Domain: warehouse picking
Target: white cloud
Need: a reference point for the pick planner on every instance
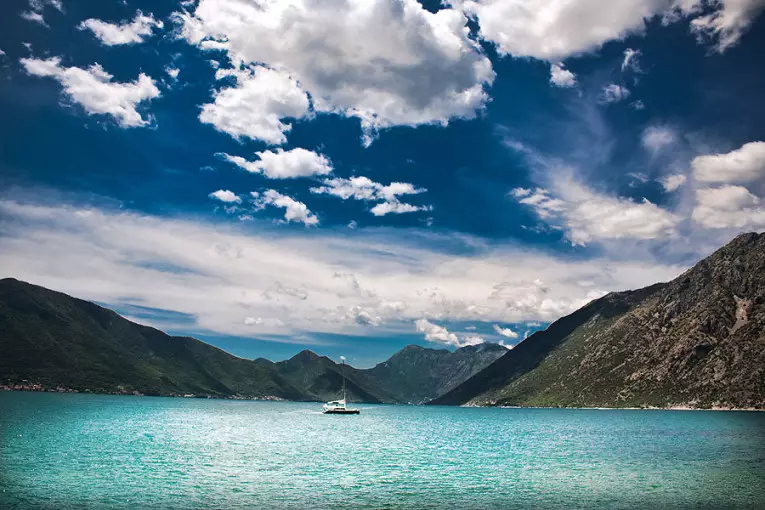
(728, 207)
(225, 195)
(363, 188)
(631, 61)
(218, 274)
(2, 53)
(561, 77)
(94, 90)
(613, 93)
(637, 105)
(172, 72)
(363, 317)
(587, 216)
(127, 32)
(396, 207)
(656, 138)
(506, 332)
(385, 62)
(725, 26)
(293, 210)
(285, 164)
(673, 182)
(556, 30)
(34, 17)
(746, 164)
(438, 334)
(256, 106)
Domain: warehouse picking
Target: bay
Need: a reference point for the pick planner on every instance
(100, 451)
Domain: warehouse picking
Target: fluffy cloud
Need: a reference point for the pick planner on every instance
(561, 77)
(725, 26)
(656, 138)
(94, 90)
(506, 332)
(127, 32)
(364, 188)
(673, 182)
(172, 72)
(256, 106)
(438, 334)
(746, 164)
(219, 274)
(729, 207)
(385, 62)
(285, 164)
(226, 196)
(293, 210)
(587, 216)
(556, 30)
(396, 207)
(613, 93)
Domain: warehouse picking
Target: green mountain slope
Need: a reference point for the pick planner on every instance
(54, 339)
(698, 341)
(50, 338)
(416, 374)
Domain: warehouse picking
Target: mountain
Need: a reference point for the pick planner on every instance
(697, 341)
(416, 374)
(52, 339)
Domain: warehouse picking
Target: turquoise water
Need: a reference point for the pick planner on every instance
(93, 451)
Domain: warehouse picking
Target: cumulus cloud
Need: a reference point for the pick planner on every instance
(656, 138)
(364, 188)
(396, 207)
(438, 334)
(673, 182)
(743, 165)
(172, 72)
(257, 105)
(127, 32)
(385, 62)
(225, 195)
(554, 31)
(506, 332)
(94, 90)
(561, 77)
(729, 207)
(283, 164)
(725, 26)
(613, 93)
(293, 210)
(587, 216)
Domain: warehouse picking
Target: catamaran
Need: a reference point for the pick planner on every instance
(339, 406)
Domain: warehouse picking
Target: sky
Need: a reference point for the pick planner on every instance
(353, 176)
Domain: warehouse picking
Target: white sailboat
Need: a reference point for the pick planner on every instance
(339, 406)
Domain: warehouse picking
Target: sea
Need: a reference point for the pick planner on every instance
(63, 451)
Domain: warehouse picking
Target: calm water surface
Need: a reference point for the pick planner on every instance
(90, 451)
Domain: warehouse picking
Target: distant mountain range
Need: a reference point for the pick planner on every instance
(53, 340)
(697, 341)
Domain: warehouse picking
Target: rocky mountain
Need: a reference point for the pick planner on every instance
(697, 341)
(416, 374)
(51, 339)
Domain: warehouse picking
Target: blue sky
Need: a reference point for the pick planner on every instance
(353, 176)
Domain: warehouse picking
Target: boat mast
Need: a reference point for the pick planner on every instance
(342, 370)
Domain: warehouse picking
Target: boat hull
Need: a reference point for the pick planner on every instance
(341, 411)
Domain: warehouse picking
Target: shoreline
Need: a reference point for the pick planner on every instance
(60, 389)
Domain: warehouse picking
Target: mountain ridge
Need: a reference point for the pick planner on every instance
(696, 341)
(50, 339)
